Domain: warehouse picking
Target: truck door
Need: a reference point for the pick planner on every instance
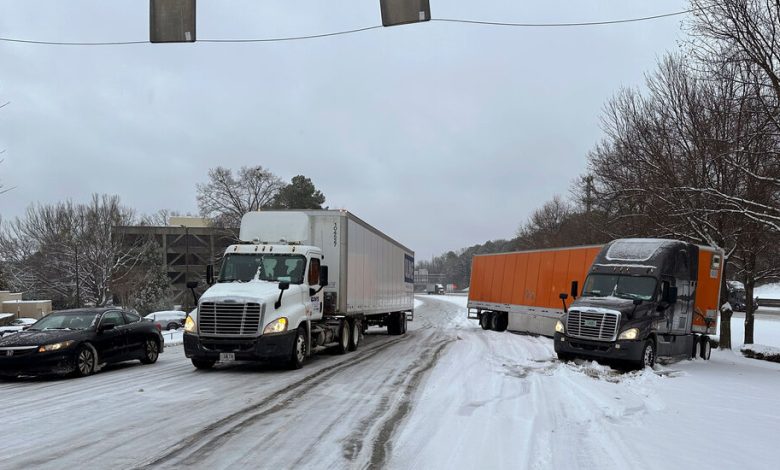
(683, 309)
(314, 307)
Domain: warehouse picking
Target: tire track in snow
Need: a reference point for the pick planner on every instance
(207, 439)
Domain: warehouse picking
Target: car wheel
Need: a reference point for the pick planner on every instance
(648, 355)
(354, 338)
(203, 364)
(298, 353)
(151, 351)
(85, 360)
(172, 326)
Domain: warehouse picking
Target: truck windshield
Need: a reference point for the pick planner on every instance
(627, 287)
(266, 267)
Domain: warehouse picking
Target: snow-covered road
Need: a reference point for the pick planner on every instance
(446, 395)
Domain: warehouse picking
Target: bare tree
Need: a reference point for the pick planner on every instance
(226, 198)
(67, 252)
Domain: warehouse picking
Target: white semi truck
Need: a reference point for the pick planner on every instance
(300, 282)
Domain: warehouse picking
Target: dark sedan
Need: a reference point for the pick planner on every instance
(79, 342)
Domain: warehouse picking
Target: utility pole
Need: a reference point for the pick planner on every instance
(78, 288)
(186, 256)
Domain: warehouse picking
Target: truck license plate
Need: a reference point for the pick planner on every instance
(227, 357)
(591, 323)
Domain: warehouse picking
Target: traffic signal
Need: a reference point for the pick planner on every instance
(172, 20)
(396, 12)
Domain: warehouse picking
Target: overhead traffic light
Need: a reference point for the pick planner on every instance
(397, 12)
(172, 20)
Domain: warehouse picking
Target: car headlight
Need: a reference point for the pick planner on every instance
(559, 327)
(277, 326)
(189, 325)
(55, 346)
(631, 333)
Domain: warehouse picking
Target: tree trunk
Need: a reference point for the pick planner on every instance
(749, 307)
(725, 329)
(725, 314)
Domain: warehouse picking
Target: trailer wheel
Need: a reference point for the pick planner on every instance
(648, 355)
(354, 338)
(500, 321)
(705, 349)
(395, 323)
(402, 320)
(344, 337)
(486, 320)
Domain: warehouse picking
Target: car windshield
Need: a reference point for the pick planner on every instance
(265, 266)
(627, 287)
(71, 321)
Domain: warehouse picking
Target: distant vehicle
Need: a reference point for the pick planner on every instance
(641, 298)
(78, 342)
(17, 325)
(168, 319)
(737, 297)
(437, 289)
(274, 301)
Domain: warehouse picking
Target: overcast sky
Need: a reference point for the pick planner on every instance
(442, 135)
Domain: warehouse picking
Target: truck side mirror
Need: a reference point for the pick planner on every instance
(210, 274)
(668, 292)
(574, 286)
(563, 296)
(283, 286)
(323, 276)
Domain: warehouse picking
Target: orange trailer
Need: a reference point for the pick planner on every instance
(527, 284)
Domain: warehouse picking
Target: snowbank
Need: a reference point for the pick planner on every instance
(759, 351)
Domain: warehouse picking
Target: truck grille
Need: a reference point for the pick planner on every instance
(216, 318)
(592, 325)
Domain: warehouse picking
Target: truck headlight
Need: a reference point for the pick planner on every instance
(189, 325)
(55, 346)
(559, 327)
(631, 333)
(277, 326)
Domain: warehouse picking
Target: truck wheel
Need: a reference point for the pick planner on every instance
(298, 353)
(344, 338)
(500, 321)
(354, 338)
(486, 320)
(203, 364)
(648, 355)
(402, 321)
(705, 349)
(393, 324)
(696, 347)
(564, 357)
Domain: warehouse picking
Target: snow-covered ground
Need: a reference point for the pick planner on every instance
(767, 291)
(446, 395)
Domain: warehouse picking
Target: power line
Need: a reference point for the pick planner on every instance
(295, 38)
(360, 30)
(564, 25)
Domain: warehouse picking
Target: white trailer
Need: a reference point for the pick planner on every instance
(300, 281)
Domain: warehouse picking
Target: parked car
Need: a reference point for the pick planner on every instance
(168, 319)
(79, 342)
(16, 326)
